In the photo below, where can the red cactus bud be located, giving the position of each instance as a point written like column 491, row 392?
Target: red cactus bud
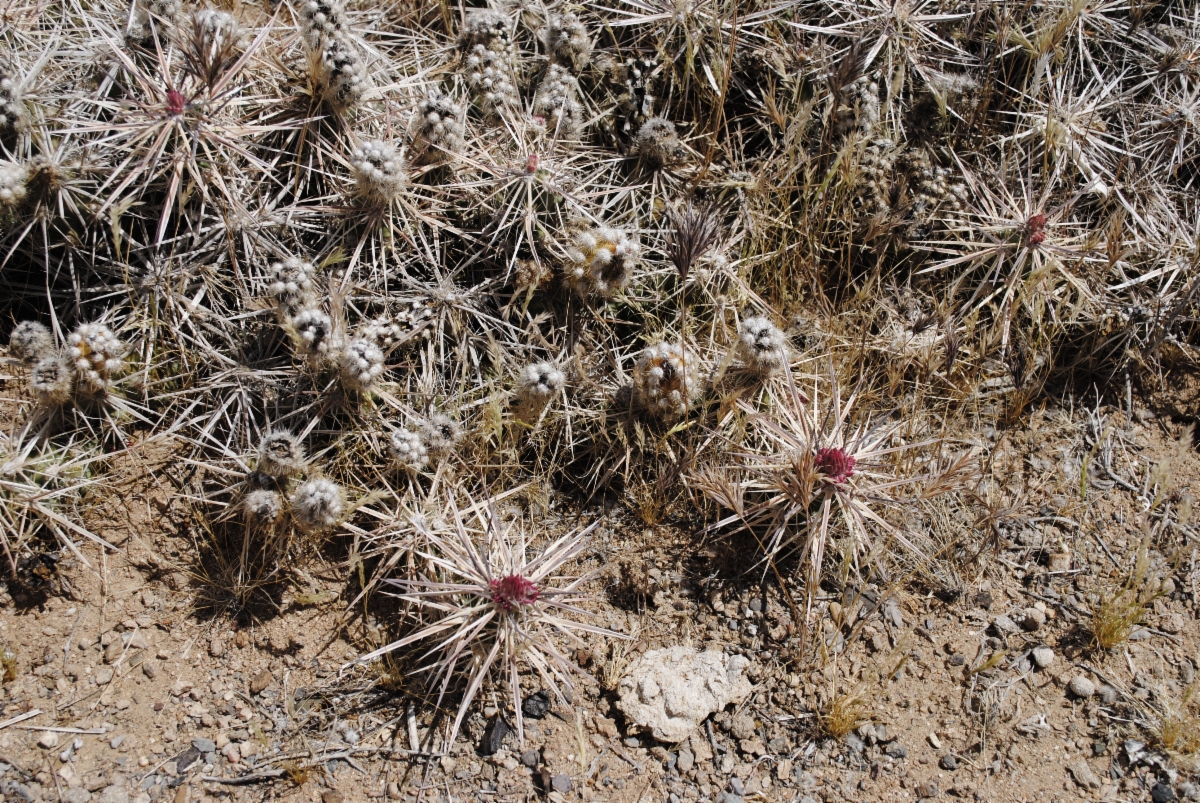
column 835, row 464
column 1035, row 230
column 175, row 102
column 508, row 593
column 531, row 163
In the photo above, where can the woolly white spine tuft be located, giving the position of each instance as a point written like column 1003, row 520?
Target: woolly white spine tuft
column 30, row 342
column 538, row 386
column 436, row 128
column 12, row 109
column 601, row 262
column 291, row 285
column 490, row 74
column 51, row 379
column 761, row 346
column 657, row 143
column 490, row 60
column 361, row 363
column 441, row 434
column 408, row 450
column 312, row 331
column 663, row 383
column 263, row 506
column 378, row 171
column 156, row 13
column 318, row 505
column 218, row 29
column 322, row 19
column 567, row 41
column 557, row 102
column 343, row 75
column 483, row 26
column 280, row 454
column 96, row 353
column 13, row 178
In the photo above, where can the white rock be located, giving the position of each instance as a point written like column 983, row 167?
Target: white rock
column 1043, row 657
column 48, row 740
column 1081, row 686
column 669, row 692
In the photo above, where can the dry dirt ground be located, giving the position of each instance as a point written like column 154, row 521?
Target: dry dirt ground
column 126, row 685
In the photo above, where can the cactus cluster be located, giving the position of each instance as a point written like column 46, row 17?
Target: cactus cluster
column 544, row 250
column 98, row 356
column 437, row 129
column 93, row 359
column 657, row 143
column 538, row 385
column 568, row 41
column 335, row 58
column 490, row 61
column 601, row 262
column 408, row 450
column 665, row 383
column 762, row 346
column 291, row 283
column 281, row 483
column 556, row 102
column 378, row 171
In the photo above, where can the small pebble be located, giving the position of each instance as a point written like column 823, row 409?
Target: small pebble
column 1081, row 687
column 1033, row 620
column 1162, row 793
column 48, row 740
column 261, row 681
column 536, row 705
column 949, row 762
column 1043, row 657
column 928, row 789
column 1004, row 626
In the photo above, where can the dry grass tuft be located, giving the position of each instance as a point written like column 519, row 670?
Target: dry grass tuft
column 1120, row 608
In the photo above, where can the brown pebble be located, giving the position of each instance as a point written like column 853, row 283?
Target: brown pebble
column 331, row 796
column 261, row 681
column 150, row 669
column 181, row 795
column 216, row 648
